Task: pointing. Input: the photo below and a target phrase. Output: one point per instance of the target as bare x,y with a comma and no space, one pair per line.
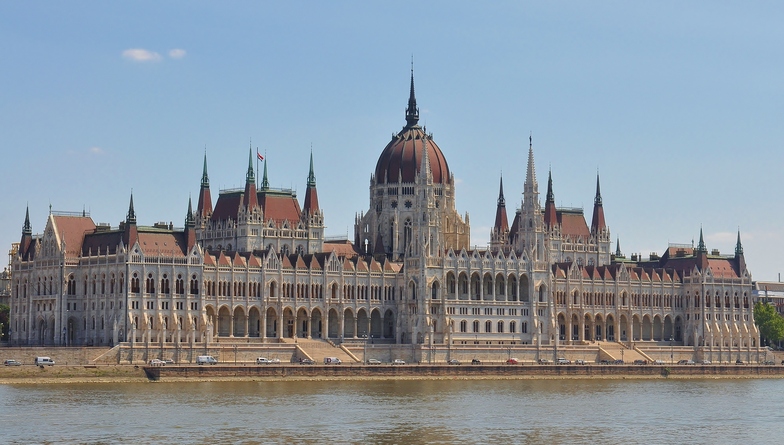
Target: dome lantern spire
412,112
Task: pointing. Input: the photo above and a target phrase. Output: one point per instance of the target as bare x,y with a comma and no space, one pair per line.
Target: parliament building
255,265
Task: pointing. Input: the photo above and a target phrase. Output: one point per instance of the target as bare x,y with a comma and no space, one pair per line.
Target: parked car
12,362
454,361
512,361
685,362
738,362
658,362
618,362
640,362
705,362
263,361
306,361
563,361
168,361
476,361
156,362
769,362
579,362
544,361
374,361
332,361
397,361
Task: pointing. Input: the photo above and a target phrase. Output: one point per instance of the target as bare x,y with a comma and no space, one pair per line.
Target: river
397,412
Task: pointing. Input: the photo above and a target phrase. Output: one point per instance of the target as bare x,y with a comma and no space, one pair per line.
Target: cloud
177,53
141,55
96,150
721,237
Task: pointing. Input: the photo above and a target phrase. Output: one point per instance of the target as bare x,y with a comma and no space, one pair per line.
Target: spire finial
501,200
250,177
598,199
412,112
189,221
205,180
131,219
550,195
264,181
311,176
618,253
738,245
701,246
27,229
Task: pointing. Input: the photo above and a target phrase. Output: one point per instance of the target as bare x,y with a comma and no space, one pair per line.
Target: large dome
401,159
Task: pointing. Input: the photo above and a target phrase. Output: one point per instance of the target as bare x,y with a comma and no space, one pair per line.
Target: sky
676,105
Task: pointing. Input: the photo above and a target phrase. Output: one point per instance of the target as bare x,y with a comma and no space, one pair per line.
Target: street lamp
672,360
621,354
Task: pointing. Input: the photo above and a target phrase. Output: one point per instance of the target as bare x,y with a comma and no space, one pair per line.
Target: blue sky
677,105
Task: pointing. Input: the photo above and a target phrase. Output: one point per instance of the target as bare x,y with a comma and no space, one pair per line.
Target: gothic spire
189,221
27,229
501,227
598,199
264,181
550,212
311,176
597,222
205,180
131,219
701,246
550,195
204,206
412,112
250,176
530,174
738,246
501,200
311,205
618,253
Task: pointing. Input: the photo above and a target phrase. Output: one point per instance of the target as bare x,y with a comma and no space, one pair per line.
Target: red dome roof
403,156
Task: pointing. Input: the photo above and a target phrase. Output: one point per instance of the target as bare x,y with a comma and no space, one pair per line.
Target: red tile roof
72,230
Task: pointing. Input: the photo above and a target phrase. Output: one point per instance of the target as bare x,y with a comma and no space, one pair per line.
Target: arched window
488,326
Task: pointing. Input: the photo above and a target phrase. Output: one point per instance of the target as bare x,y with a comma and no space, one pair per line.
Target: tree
769,322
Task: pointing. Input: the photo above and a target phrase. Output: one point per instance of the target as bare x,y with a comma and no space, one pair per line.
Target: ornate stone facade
257,266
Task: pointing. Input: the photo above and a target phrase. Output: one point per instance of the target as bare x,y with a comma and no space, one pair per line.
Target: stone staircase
621,351
316,350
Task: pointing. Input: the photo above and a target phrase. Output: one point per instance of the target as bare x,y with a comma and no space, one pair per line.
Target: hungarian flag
261,158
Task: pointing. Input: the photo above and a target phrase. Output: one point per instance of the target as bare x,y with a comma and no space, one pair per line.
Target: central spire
412,112
250,176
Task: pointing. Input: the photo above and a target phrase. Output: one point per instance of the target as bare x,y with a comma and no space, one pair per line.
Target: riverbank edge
141,374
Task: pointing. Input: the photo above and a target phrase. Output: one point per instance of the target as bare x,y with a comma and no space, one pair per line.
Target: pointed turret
500,233
27,235
597,222
131,216
204,206
130,233
618,253
311,206
264,181
412,112
249,199
530,174
550,214
741,260
190,226
701,253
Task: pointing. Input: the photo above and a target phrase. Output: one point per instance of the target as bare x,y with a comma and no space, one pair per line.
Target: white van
206,360
44,361
332,361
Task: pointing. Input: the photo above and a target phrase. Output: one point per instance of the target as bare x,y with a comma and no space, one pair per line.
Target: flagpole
257,167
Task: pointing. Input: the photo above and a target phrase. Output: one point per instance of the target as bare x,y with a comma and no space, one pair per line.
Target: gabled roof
160,242
573,223
279,206
341,248
72,230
